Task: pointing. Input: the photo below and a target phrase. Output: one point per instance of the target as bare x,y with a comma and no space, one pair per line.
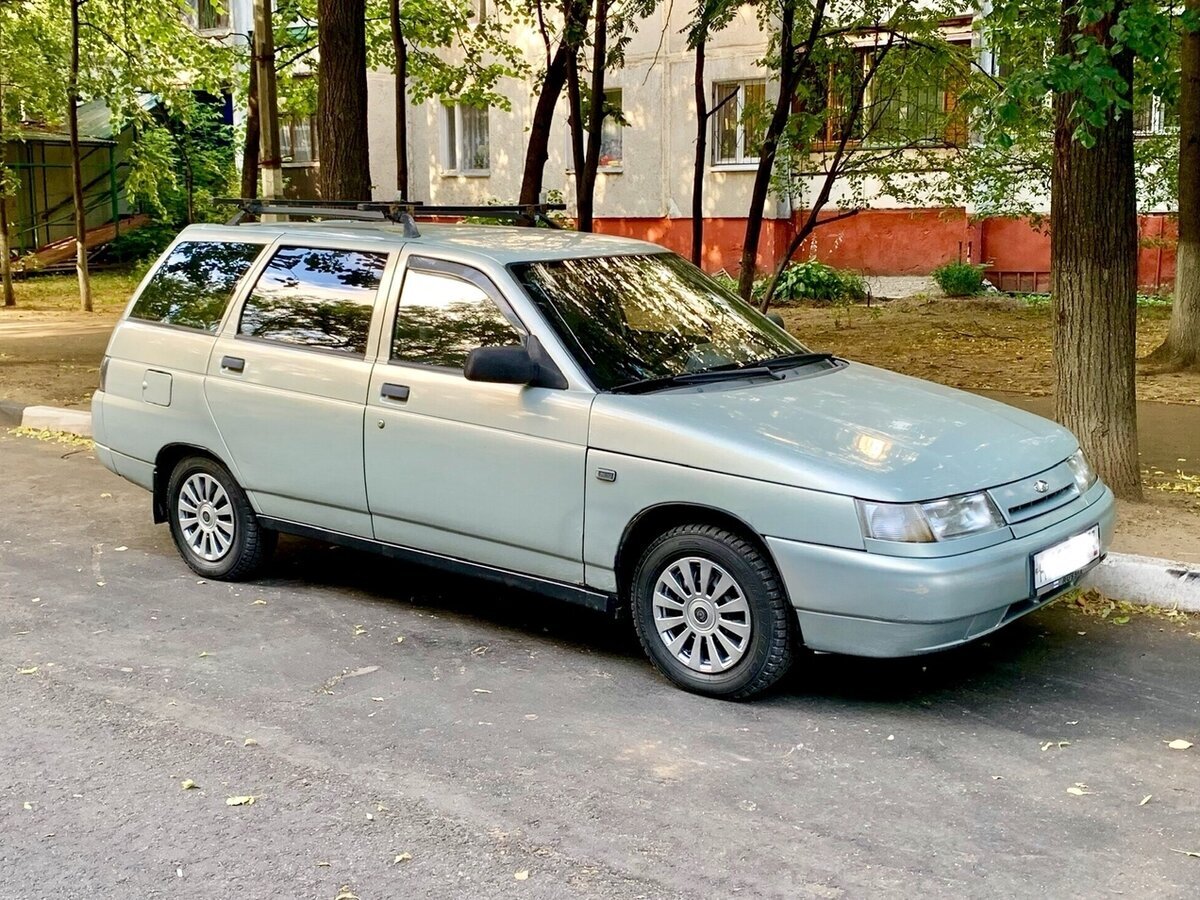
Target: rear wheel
213,524
711,614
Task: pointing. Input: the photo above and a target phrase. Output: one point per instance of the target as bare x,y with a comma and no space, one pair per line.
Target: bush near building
959,279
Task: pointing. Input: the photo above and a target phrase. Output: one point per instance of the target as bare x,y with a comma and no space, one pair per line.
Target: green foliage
141,244
959,279
815,281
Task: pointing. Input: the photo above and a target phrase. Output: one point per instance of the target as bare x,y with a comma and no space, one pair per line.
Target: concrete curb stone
1137,579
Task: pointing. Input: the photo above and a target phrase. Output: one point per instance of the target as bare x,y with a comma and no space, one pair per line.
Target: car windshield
630,319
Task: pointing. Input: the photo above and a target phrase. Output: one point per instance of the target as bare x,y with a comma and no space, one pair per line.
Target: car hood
853,430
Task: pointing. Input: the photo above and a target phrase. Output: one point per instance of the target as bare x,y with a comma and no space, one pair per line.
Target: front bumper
871,604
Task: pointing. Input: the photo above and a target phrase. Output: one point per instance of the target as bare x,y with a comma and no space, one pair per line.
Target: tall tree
400,86
251,146
560,50
342,100
1093,228
81,260
10,297
1181,349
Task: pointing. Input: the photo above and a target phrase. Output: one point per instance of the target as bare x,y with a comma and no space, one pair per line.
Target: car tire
215,529
711,612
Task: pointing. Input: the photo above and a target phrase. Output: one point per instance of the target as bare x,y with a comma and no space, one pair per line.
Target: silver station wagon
588,417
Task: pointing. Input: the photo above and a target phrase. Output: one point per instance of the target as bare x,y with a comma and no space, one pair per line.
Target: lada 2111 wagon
589,417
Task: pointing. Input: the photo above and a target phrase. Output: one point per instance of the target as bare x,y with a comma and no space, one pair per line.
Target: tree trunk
1093,251
575,126
591,163
1181,349
342,100
250,149
81,260
10,298
400,49
701,154
766,155
575,16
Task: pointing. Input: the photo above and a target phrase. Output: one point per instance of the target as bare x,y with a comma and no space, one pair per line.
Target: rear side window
192,286
316,298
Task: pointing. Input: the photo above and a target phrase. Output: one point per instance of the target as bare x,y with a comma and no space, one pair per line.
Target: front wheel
711,613
214,527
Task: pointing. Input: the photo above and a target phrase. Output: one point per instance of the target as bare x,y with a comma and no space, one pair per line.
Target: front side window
316,298
192,286
442,318
634,318
738,121
465,142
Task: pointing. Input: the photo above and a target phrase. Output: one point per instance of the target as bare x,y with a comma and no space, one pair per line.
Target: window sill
735,167
466,173
601,170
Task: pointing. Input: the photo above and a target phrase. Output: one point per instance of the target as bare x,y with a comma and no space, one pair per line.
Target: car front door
287,382
489,473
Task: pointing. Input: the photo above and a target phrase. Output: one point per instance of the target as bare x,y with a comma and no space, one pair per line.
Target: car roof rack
401,212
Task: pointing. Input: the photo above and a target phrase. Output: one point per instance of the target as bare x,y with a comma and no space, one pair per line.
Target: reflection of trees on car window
194,283
628,318
441,319
315,297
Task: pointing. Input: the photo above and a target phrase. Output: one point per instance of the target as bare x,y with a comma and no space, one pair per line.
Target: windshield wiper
708,376
788,360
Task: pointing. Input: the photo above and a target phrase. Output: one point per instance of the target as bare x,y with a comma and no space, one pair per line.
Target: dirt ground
49,354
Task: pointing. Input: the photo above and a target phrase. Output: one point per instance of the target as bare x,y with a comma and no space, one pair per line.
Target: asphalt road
508,735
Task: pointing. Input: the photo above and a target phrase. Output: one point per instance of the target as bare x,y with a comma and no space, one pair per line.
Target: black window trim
265,260
235,294
463,272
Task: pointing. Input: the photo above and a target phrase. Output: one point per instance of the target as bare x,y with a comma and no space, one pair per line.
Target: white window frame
452,114
720,89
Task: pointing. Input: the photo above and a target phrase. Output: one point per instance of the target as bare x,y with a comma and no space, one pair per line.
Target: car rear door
287,381
490,473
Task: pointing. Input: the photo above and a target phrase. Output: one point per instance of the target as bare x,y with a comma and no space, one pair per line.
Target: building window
211,14
298,139
611,151
465,140
1153,115
738,122
912,99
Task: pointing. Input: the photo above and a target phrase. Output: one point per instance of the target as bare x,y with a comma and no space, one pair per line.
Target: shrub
139,244
959,279
816,281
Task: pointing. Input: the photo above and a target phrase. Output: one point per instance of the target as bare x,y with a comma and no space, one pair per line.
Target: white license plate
1054,564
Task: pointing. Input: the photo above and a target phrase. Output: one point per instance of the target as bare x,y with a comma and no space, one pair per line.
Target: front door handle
233,364
397,392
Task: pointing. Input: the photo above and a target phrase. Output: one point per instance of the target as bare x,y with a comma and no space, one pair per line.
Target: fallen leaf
1120,620
1046,746
203,654
32,670
358,629
1145,800
400,639
370,818
1195,853
402,857
188,785
1180,745
344,893
1076,722
259,602
1078,789
247,800
481,691
119,549
522,875
28,805
250,742
106,496
323,865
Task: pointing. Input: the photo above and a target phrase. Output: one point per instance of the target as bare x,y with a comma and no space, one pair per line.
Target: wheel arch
164,464
654,520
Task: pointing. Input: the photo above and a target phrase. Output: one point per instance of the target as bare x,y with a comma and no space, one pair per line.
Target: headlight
1084,476
936,520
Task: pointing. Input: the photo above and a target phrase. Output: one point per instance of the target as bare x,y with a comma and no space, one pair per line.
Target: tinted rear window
315,297
192,286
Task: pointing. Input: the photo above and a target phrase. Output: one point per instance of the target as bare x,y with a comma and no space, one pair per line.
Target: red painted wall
905,242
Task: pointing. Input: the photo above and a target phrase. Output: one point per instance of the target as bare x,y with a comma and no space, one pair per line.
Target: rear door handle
394,392
233,363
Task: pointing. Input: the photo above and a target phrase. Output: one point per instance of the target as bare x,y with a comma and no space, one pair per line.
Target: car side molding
580,595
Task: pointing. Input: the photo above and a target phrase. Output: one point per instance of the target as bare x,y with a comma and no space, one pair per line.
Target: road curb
55,418
1147,580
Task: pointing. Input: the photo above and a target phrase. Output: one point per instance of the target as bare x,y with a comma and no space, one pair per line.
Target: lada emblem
1040,486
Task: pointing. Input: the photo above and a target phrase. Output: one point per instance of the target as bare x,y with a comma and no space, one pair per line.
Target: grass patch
60,293
1144,301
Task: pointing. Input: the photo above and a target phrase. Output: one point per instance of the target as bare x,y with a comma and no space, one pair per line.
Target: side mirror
500,365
